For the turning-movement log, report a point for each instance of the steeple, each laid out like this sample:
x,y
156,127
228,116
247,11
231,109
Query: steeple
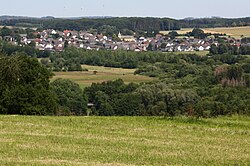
x,y
119,35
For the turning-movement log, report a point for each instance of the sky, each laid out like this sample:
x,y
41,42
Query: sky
x,y
141,8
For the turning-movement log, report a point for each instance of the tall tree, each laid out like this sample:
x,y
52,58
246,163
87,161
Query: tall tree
x,y
70,96
25,87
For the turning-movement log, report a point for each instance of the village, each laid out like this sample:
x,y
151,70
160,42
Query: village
x,y
54,40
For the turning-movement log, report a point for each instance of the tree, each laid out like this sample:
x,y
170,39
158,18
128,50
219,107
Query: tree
x,y
126,104
5,32
223,48
32,44
150,47
102,105
235,72
66,44
198,33
173,34
70,96
245,40
25,87
163,45
235,50
213,49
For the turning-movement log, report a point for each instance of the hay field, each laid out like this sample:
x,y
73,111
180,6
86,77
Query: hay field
x,y
235,32
121,141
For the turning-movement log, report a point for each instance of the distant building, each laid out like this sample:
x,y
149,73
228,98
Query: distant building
x,y
126,38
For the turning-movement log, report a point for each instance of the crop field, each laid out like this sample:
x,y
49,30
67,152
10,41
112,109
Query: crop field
x,y
86,78
120,141
181,32
231,31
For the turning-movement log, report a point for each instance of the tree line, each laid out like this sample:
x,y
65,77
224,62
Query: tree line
x,y
135,24
224,48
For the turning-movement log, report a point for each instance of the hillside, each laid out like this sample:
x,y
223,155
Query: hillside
x,y
26,140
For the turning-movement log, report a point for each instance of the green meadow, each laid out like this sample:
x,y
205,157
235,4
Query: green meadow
x,y
86,78
32,140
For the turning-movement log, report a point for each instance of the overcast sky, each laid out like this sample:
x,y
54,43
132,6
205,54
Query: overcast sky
x,y
153,8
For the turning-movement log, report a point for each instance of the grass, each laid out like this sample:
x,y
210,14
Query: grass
x,y
200,53
235,32
85,79
26,140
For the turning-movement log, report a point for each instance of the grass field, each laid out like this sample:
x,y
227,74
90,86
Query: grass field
x,y
118,141
200,53
85,79
232,31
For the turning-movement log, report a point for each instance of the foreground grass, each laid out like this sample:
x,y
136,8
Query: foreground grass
x,y
28,140
85,79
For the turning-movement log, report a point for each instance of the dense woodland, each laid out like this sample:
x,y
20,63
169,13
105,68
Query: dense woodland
x,y
191,85
124,24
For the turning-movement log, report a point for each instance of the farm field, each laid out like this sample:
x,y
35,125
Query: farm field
x,y
86,78
231,31
31,140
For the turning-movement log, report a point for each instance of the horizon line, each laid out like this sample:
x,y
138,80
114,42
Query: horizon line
x,y
188,17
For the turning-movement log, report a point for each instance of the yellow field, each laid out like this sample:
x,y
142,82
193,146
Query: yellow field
x,y
86,78
181,32
231,31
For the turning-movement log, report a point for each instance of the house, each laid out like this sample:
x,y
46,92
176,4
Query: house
x,y
200,48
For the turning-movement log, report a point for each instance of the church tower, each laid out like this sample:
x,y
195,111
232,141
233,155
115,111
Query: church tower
x,y
120,35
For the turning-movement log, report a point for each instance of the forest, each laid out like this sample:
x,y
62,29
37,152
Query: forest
x,y
126,24
188,84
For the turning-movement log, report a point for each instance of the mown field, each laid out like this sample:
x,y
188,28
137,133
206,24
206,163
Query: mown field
x,y
86,78
231,31
26,140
